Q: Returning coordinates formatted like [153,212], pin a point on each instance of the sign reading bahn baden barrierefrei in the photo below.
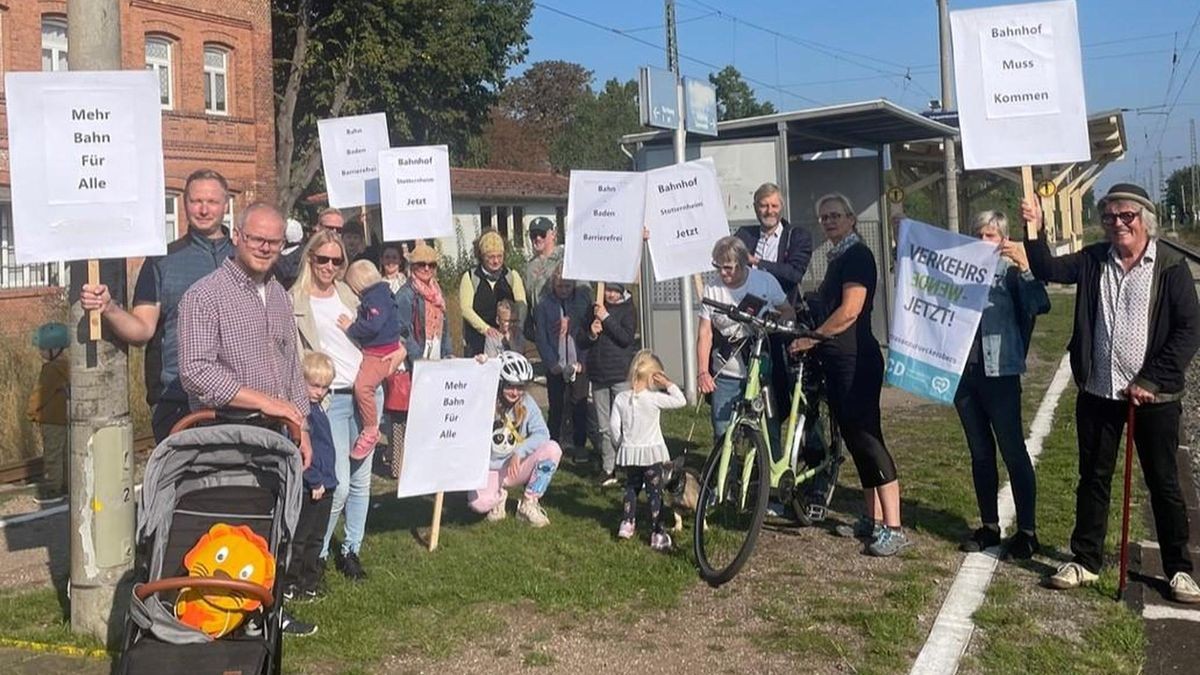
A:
[1019,79]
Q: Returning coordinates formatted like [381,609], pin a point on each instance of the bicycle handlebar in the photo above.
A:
[765,324]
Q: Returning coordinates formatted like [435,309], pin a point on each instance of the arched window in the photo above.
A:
[158,59]
[216,80]
[54,43]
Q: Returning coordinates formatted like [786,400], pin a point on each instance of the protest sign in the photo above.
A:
[606,212]
[414,190]
[447,442]
[1019,78]
[86,160]
[350,148]
[686,216]
[942,284]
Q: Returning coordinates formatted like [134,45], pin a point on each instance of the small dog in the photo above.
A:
[681,489]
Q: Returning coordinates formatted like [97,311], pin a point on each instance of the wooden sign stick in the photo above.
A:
[435,528]
[698,285]
[599,292]
[93,272]
[1027,189]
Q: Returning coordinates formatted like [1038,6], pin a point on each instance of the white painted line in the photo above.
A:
[951,632]
[52,511]
[1160,612]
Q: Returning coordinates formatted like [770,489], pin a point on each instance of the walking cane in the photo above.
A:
[1125,508]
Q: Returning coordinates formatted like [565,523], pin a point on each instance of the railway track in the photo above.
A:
[30,469]
[1193,255]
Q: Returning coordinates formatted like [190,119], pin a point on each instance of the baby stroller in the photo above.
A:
[236,474]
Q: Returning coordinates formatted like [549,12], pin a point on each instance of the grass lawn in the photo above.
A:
[808,598]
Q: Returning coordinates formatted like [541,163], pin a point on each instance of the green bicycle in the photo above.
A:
[740,475]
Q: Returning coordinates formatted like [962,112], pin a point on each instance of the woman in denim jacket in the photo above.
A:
[989,396]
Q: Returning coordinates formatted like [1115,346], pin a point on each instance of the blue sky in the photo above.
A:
[825,51]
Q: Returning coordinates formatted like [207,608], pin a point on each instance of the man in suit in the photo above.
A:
[775,246]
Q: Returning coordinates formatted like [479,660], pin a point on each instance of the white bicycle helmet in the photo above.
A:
[515,369]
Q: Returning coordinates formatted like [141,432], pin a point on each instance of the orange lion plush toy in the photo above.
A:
[225,552]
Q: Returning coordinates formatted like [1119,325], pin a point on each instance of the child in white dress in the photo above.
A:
[640,446]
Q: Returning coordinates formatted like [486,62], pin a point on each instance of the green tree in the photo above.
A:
[434,66]
[592,141]
[533,112]
[735,98]
[1181,198]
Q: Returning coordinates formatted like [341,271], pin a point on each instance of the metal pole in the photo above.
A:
[948,104]
[686,318]
[101,447]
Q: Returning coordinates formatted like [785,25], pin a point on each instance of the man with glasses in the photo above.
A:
[237,334]
[153,316]
[547,256]
[1137,327]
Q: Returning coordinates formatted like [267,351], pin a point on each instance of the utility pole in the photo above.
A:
[686,318]
[101,447]
[1161,185]
[1195,171]
[948,104]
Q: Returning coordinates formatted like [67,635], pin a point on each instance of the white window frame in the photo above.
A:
[228,219]
[56,45]
[171,211]
[211,73]
[157,65]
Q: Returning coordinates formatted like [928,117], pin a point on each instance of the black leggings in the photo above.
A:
[853,384]
[635,478]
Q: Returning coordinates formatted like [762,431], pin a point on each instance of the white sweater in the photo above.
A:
[635,425]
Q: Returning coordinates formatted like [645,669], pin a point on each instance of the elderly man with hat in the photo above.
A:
[1137,327]
[483,287]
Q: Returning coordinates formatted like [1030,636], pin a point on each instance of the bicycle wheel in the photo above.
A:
[727,527]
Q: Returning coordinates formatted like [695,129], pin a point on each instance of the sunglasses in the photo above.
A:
[431,265]
[326,260]
[534,236]
[1125,216]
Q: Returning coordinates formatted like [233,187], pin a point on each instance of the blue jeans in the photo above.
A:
[990,410]
[353,493]
[728,392]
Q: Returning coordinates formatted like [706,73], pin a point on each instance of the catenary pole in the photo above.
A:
[101,445]
[948,103]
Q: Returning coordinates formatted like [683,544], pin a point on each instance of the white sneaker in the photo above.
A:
[1071,575]
[530,510]
[1184,588]
[498,512]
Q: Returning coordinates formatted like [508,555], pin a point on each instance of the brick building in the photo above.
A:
[213,58]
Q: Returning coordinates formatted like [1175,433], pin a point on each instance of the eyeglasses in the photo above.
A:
[261,242]
[535,236]
[1125,216]
[431,265]
[728,269]
[831,217]
[326,260]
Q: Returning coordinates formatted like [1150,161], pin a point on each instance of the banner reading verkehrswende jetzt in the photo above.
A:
[448,442]
[942,284]
[604,237]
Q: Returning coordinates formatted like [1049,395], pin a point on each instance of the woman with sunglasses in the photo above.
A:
[853,367]
[319,298]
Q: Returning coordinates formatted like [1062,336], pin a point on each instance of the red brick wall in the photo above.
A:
[27,308]
[241,144]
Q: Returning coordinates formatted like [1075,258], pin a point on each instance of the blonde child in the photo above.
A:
[641,448]
[509,336]
[377,332]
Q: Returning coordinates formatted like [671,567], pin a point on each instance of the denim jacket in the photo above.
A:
[1001,328]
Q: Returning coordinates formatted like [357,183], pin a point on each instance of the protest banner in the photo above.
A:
[1019,77]
[447,441]
[414,191]
[350,148]
[685,214]
[606,210]
[942,284]
[86,161]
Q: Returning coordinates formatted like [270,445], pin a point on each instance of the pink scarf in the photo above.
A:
[435,305]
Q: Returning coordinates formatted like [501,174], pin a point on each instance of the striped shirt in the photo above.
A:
[1122,324]
[235,332]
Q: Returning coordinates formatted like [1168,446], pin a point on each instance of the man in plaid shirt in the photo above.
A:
[237,334]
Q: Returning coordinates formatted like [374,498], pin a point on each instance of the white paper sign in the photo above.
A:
[1019,79]
[447,443]
[942,284]
[350,148]
[414,190]
[686,216]
[606,213]
[86,160]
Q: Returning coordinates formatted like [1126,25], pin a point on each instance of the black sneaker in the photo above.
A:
[291,626]
[981,539]
[311,594]
[290,592]
[1022,546]
[351,568]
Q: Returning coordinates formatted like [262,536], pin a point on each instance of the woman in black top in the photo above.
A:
[853,367]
